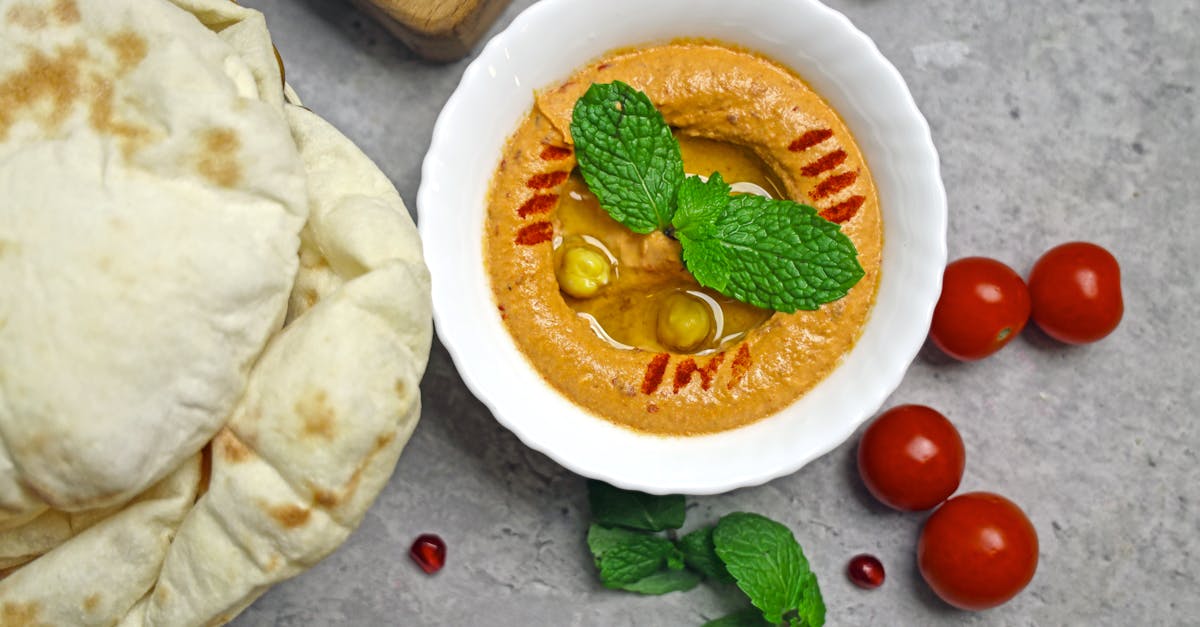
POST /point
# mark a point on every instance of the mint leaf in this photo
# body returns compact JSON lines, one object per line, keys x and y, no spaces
{"x":627,"y":155}
{"x":701,"y":203}
{"x":749,"y":617}
{"x":663,"y":582}
{"x":638,"y":510}
{"x":774,"y":254}
{"x":601,"y":540}
{"x":699,"y":554}
{"x":768,"y":565}
{"x":626,"y":557}
{"x":635,"y":560}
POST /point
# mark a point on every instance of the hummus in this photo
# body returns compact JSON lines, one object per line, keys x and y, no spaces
{"x":767,"y":132}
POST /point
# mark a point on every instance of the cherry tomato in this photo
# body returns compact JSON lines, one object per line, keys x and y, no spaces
{"x":977,"y":551}
{"x":1076,"y":292}
{"x":911,"y":458}
{"x":983,"y":306}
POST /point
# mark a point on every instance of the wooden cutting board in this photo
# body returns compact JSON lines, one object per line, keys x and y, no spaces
{"x":438,"y":30}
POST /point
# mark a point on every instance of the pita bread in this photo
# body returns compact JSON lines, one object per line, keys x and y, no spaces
{"x":311,"y":435}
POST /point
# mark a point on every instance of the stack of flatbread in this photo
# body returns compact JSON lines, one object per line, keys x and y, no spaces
{"x":214,"y":317}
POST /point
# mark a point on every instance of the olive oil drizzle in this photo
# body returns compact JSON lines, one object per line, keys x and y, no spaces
{"x":647,"y":270}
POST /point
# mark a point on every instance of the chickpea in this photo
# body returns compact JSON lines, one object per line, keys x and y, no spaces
{"x":684,"y":322}
{"x":583,"y":271}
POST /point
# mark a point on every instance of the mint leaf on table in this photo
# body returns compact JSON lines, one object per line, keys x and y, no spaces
{"x":699,"y":554}
{"x":637,"y":510}
{"x":749,"y":617}
{"x":635,"y":561}
{"x":663,"y":582}
{"x":627,"y":155}
{"x":625,"y":557}
{"x":768,"y":565}
{"x":774,"y":254}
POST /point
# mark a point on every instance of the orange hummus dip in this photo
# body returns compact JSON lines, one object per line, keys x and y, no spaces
{"x":766,"y":131}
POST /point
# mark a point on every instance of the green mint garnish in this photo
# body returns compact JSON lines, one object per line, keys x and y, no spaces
{"x":664,"y":582}
{"x":776,"y":254}
{"x":625,"y":508}
{"x":638,"y":562}
{"x":758,"y":554}
{"x":627,"y":155}
{"x":749,"y":617}
{"x":625,"y":557}
{"x":768,"y":565}
{"x":701,"y":556}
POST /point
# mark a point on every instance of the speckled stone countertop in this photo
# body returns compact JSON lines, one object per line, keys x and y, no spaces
{"x":1055,"y":120}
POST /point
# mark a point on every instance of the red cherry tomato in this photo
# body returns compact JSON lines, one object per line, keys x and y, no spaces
{"x":977,"y":551}
{"x":1076,"y":293}
{"x":911,"y":458}
{"x":983,"y":306}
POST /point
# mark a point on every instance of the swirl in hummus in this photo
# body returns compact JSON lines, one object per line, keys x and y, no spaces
{"x":734,"y":112}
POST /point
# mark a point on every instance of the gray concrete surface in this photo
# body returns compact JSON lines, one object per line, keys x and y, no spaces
{"x":1056,"y":120}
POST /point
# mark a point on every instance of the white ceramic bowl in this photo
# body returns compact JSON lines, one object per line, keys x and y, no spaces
{"x":543,"y":46}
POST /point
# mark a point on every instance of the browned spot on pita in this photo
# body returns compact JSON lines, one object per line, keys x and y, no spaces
{"x":217,"y":159}
{"x":325,"y":499}
{"x":65,"y":12}
{"x":161,"y":594}
{"x":102,"y":117}
{"x":401,"y":388}
{"x":319,"y":419}
{"x":230,"y":448}
{"x":44,"y":89}
{"x":20,"y":614}
{"x":310,"y":297}
{"x":130,"y":49}
{"x":27,"y":17}
{"x":290,"y":516}
{"x":272,"y":564}
{"x":206,"y":460}
{"x":328,"y":499}
{"x":91,"y":603}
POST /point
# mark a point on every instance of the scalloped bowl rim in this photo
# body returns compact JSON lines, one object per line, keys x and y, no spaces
{"x":846,"y":68}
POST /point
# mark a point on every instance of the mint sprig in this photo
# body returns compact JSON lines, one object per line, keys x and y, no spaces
{"x":758,"y":554}
{"x":776,"y":254}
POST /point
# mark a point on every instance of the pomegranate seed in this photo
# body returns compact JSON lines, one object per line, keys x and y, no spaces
{"x":866,"y":571}
{"x":429,"y":552}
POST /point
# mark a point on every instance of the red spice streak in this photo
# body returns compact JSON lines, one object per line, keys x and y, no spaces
{"x":741,"y":363}
{"x":549,"y":179}
{"x":687,"y":367}
{"x":810,"y":139}
{"x":844,"y":210}
{"x":824,"y":164}
{"x":834,"y":184}
{"x":555,"y":153}
{"x":539,"y":203}
{"x":535,"y":233}
{"x":654,"y":373}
